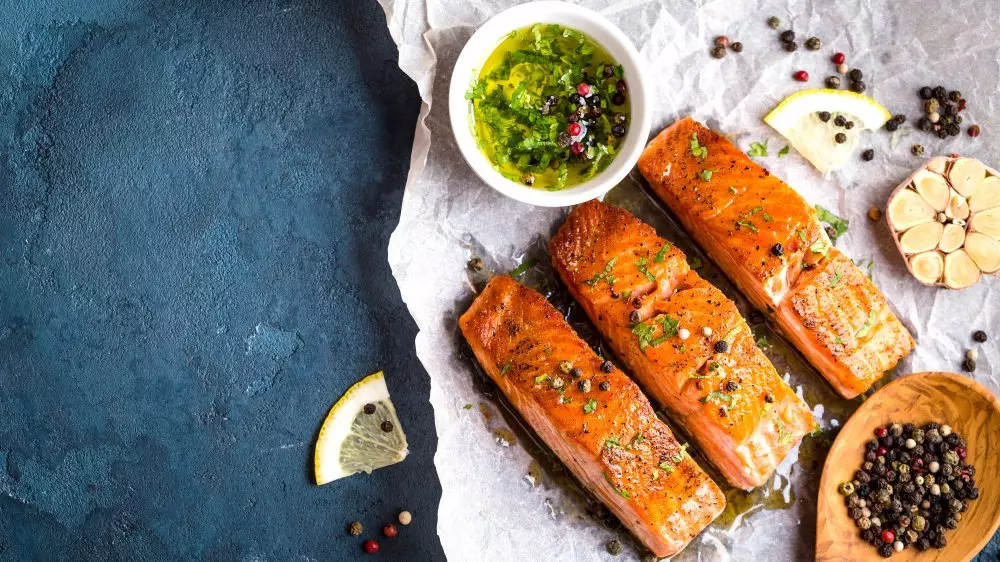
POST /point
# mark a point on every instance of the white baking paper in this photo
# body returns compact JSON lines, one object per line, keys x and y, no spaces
{"x":494,"y":505}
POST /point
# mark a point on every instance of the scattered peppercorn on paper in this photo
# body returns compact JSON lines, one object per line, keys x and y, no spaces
{"x":501,"y":498}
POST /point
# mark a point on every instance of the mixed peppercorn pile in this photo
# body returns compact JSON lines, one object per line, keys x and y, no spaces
{"x":913,"y":487}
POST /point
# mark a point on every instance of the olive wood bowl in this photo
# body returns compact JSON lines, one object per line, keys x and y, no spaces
{"x":970,"y":409}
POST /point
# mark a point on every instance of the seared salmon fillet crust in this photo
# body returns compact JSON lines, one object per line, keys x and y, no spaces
{"x":682,"y":339}
{"x":770,"y":242}
{"x":606,"y":434}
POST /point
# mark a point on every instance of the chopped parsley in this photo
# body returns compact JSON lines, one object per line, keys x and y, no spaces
{"x":802,"y":235}
{"x":636,"y":440}
{"x":838,"y":341}
{"x":696,"y":149}
{"x":839,"y":225}
{"x":695,"y":262}
{"x":665,"y":465}
{"x":819,"y":247}
{"x":604,"y":275}
{"x":747,"y":225}
{"x":783,"y":151}
{"x":590,"y":406}
{"x":837,"y":275}
{"x":784,"y":437}
{"x":523,"y":268}
{"x":758,"y":149}
{"x":680,"y":456}
{"x":868,"y":325}
{"x":641,"y":265}
{"x":732,"y":190}
{"x":504,"y":370}
{"x":541,"y":378}
{"x":662,"y":254}
{"x":732,"y":335}
{"x":716,"y":395}
{"x":706,"y":174}
{"x":767,"y":217}
{"x":669,"y":326}
{"x":467,"y":407}
{"x":612,"y":443}
{"x":645,"y":334}
{"x":621,"y":492}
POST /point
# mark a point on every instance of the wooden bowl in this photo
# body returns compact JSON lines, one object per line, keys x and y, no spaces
{"x":970,"y":409}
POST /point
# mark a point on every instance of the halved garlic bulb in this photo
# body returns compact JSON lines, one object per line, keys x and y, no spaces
{"x":946,"y":221}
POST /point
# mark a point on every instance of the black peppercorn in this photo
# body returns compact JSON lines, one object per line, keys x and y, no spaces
{"x":833,"y":82}
{"x":858,"y":87}
{"x":791,"y":47}
{"x":769,"y":398}
{"x":386,"y":426}
{"x":618,"y":98}
{"x":969,"y":365}
{"x":891,"y":125}
{"x":849,"y":125}
{"x":855,"y":75}
{"x":979,"y":336}
{"x":635,"y":317}
{"x":940,"y":93}
{"x":824,"y":116}
{"x":955,"y":96}
{"x":787,"y":36}
{"x":737,"y":47}
{"x":840,"y":120}
{"x":604,"y":386}
{"x":607,"y":367}
{"x":924,"y":124}
{"x":778,"y":250}
{"x":576,"y":372}
{"x":584,"y":385}
{"x":926,"y":93}
{"x":868,"y":155}
{"x":721,"y":346}
{"x":369,"y":409}
{"x":732,"y":386}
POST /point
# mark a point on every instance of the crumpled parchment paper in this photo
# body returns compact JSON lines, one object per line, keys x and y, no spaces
{"x":496,"y":504}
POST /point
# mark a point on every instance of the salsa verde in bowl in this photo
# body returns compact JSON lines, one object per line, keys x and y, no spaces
{"x":552,"y":113}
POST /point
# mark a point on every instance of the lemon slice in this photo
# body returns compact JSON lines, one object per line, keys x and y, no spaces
{"x":360,"y":434}
{"x":797,"y":119}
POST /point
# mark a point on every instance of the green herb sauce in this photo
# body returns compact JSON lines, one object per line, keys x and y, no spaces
{"x":525,"y":94}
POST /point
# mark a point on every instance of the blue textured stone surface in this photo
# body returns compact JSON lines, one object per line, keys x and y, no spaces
{"x":195,"y":203}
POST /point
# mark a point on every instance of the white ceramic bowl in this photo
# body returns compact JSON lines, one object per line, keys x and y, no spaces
{"x":604,"y":33}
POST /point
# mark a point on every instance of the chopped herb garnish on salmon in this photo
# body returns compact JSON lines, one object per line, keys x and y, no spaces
{"x":732,"y":190}
{"x":541,"y":378}
{"x":868,"y":325}
{"x":758,"y":149}
{"x":665,"y":465}
{"x":838,"y":341}
{"x":696,"y":149}
{"x":802,"y":235}
{"x":590,"y":406}
{"x":645,"y":334}
{"x":622,"y":493}
{"x":604,"y":275}
{"x":612,"y":443}
{"x":504,"y":370}
{"x":662,"y":254}
{"x":523,"y":268}
{"x":747,"y":225}
{"x":695,"y":262}
{"x":680,"y":456}
{"x":731,"y":335}
{"x":706,"y":174}
{"x":837,"y":276}
{"x":669,"y":326}
{"x":767,"y":217}
{"x":716,"y":395}
{"x":641,"y":264}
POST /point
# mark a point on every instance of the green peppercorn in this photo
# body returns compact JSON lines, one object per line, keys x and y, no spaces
{"x":614,"y":547}
{"x":847,"y":488}
{"x":917,"y":150}
{"x":813,"y":44}
{"x":584,"y":385}
{"x":773,"y":22}
{"x":931,"y":106}
{"x":565,"y":366}
{"x":833,"y":82}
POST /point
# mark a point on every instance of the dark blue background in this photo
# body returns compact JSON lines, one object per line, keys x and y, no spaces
{"x":195,"y":203}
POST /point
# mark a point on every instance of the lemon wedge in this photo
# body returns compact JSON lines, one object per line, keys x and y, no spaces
{"x":360,"y":434}
{"x":797,"y":119}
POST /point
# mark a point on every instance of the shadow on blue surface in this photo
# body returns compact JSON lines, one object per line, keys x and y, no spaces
{"x":196,"y":201}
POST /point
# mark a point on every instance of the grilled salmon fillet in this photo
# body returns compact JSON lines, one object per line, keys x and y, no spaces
{"x":770,"y":242}
{"x":638,"y":290}
{"x":606,"y":434}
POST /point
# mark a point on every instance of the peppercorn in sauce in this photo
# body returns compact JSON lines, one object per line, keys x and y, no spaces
{"x":770,"y":242}
{"x":682,"y":339}
{"x":611,"y":440}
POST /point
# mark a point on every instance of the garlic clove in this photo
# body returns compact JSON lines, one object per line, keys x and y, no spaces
{"x":986,"y":195}
{"x":984,"y":251}
{"x":960,"y":271}
{"x":958,"y":207}
{"x":952,"y":238}
{"x":927,"y":267}
{"x":987,"y":222}
{"x":937,"y":164}
{"x":908,"y":209}
{"x":933,"y":188}
{"x":921,"y":238}
{"x":966,"y":174}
